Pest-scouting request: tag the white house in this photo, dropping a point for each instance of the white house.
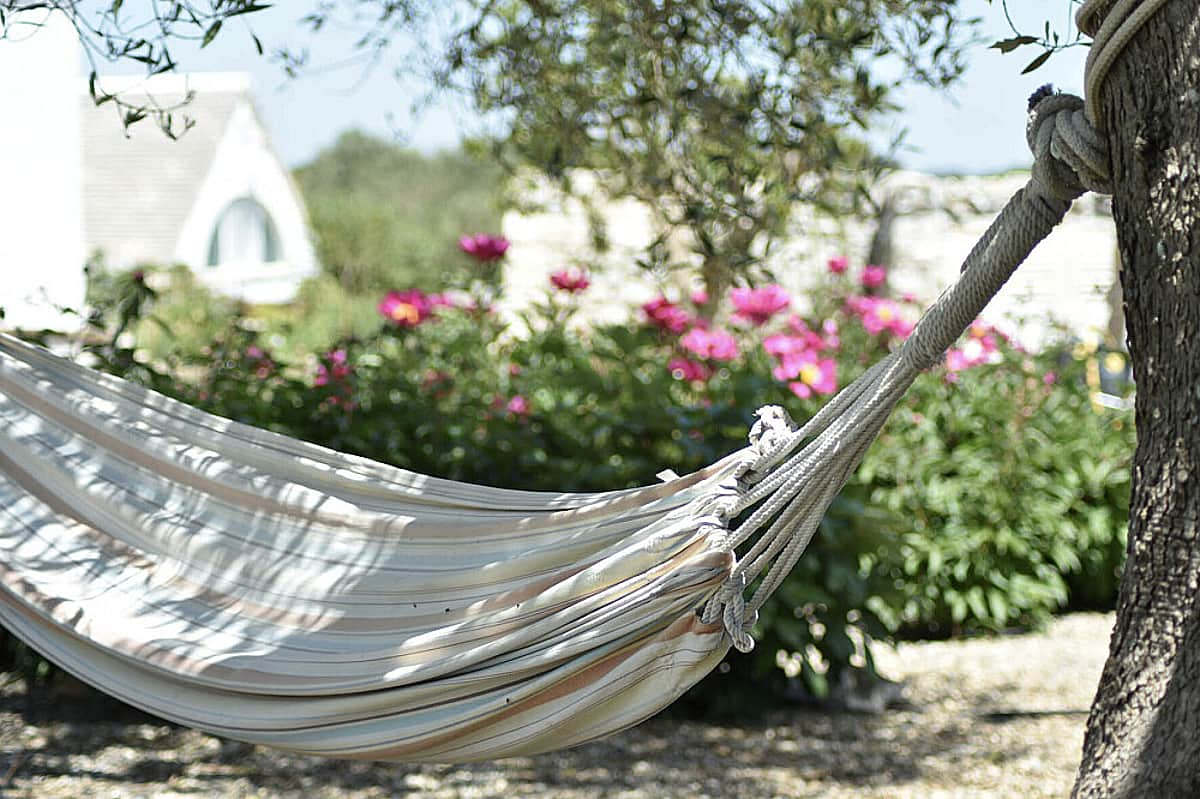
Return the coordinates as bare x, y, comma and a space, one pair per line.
77, 187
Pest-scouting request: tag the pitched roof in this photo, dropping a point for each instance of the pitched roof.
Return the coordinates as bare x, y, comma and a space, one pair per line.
138, 184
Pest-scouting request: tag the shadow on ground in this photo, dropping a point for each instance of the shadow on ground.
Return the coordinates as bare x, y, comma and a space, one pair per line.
106, 743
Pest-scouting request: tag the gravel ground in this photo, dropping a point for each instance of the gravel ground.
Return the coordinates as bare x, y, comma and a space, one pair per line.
999, 717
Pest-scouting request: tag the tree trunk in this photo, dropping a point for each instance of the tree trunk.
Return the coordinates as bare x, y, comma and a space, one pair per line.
1143, 734
718, 277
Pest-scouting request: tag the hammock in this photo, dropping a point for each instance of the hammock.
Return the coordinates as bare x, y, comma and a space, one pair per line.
276, 592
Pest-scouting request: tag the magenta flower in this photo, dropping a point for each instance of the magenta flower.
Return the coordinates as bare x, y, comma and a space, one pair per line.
407, 308
815, 376
517, 405
699, 297
759, 305
712, 345
484, 247
839, 264
666, 315
1049, 379
873, 276
685, 369
333, 368
571, 281
263, 364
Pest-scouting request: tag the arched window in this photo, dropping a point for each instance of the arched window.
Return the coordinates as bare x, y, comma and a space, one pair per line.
244, 233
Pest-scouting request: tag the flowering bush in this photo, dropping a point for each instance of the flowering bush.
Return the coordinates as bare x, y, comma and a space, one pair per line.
995, 495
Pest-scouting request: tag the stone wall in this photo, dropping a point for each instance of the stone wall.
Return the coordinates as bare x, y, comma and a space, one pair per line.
938, 220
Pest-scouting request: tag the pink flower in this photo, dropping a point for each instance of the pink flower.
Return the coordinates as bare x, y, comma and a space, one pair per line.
407, 308
879, 315
813, 340
815, 376
484, 247
685, 369
781, 344
833, 340
571, 281
839, 264
713, 345
517, 405
979, 348
666, 315
333, 368
1049, 379
759, 305
699, 297
873, 276
957, 360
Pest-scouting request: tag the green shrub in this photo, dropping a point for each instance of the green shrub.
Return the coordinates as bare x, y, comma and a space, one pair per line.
384, 216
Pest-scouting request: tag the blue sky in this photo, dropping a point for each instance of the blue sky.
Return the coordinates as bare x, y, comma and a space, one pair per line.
977, 128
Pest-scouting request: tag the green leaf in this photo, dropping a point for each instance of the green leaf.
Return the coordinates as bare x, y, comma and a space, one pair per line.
1008, 45
249, 8
998, 605
1037, 62
976, 600
211, 33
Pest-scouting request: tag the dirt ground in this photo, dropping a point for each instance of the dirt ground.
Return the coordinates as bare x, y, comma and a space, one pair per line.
999, 717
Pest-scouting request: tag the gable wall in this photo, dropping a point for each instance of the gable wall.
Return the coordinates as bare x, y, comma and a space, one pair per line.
245, 166
41, 241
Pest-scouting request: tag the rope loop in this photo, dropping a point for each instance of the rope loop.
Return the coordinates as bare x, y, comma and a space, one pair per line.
729, 605
1070, 155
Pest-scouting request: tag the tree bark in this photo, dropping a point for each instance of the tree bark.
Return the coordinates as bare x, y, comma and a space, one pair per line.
1143, 734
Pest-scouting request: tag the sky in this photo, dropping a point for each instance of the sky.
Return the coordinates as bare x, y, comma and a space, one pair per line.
977, 127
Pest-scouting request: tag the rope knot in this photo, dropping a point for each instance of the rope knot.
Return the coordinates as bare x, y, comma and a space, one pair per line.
1070, 155
771, 438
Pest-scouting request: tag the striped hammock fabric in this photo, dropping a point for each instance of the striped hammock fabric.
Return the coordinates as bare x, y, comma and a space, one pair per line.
276, 592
